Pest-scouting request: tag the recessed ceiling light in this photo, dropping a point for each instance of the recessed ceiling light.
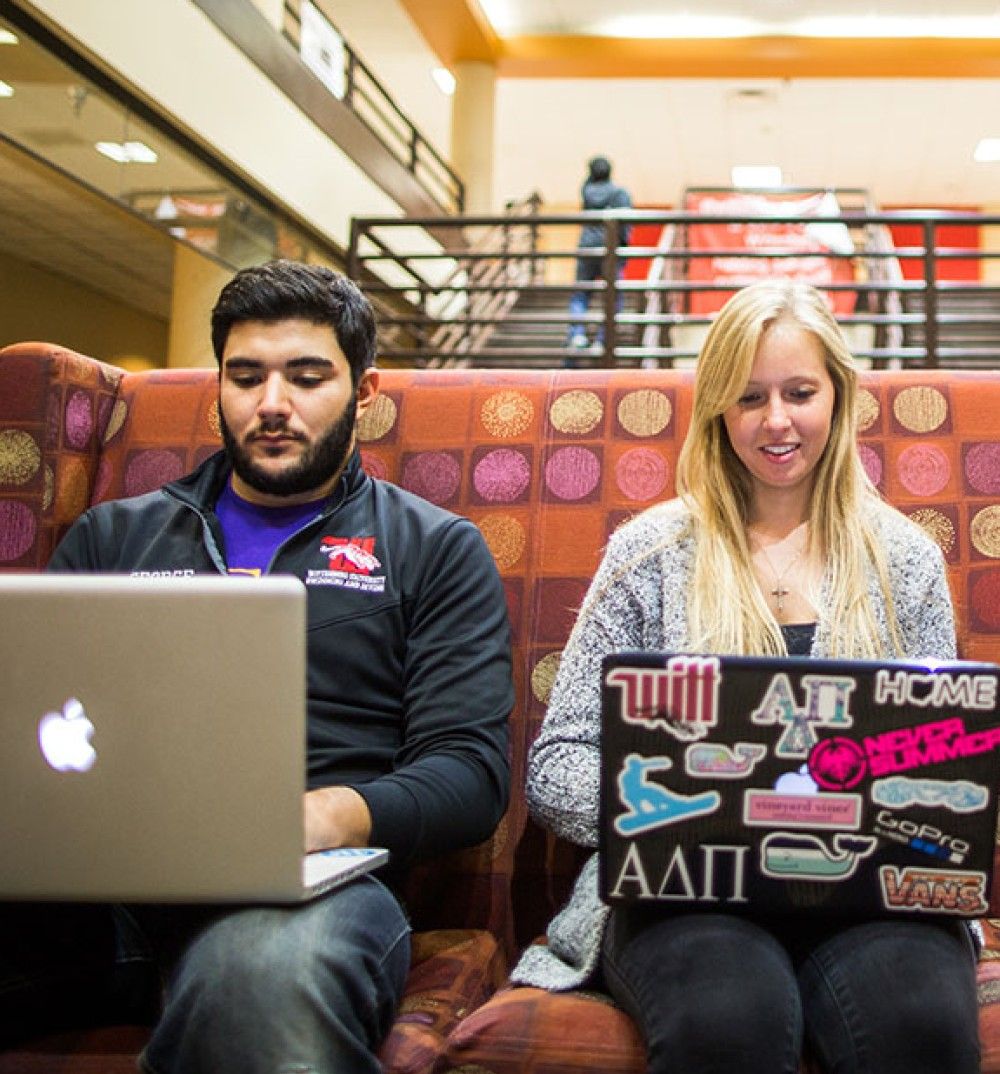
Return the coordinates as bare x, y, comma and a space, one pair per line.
7, 38
682, 25
756, 175
668, 26
445, 80
6, 90
127, 152
987, 151
499, 15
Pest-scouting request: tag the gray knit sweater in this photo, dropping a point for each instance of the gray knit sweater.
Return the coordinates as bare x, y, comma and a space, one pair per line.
638, 601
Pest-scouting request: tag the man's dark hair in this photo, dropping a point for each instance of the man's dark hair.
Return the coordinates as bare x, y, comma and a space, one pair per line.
600, 169
279, 290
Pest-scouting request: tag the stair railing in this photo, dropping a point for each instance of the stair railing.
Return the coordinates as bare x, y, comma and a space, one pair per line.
483, 291
660, 268
464, 293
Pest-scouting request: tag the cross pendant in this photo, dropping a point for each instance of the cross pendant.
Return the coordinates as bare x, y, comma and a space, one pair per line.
779, 594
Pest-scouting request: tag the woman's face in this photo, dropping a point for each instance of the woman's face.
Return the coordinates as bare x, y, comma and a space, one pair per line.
780, 425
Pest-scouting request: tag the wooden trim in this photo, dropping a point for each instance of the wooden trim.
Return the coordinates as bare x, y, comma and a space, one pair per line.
456, 30
553, 56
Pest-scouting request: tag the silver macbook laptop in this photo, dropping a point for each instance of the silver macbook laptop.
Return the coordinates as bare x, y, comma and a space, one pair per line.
153, 741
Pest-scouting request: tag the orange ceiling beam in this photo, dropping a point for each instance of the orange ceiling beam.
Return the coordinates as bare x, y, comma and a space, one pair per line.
553, 56
456, 30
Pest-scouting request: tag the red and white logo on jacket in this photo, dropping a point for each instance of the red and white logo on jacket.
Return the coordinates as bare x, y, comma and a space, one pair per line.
352, 565
356, 555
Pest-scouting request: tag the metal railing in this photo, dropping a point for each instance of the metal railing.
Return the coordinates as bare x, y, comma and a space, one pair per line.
505, 301
373, 105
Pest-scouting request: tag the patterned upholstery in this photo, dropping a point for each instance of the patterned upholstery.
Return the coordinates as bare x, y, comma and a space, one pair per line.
55, 407
547, 464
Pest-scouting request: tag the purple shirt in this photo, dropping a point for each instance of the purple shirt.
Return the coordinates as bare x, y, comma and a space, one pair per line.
252, 533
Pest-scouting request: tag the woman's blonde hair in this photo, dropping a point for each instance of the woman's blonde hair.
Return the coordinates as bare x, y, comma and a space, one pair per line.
727, 612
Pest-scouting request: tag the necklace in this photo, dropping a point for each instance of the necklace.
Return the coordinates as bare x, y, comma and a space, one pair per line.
780, 591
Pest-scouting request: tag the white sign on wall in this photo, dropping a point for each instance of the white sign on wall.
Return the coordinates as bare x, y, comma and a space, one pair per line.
322, 49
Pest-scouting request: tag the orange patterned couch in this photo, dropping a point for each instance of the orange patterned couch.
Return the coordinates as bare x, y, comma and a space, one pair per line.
547, 464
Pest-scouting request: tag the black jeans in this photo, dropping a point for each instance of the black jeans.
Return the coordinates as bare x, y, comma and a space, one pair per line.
66, 966
718, 994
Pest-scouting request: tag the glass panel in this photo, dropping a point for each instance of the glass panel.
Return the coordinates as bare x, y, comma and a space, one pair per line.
51, 110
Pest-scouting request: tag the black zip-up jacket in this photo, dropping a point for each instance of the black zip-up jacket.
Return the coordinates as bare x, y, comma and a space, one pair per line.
408, 642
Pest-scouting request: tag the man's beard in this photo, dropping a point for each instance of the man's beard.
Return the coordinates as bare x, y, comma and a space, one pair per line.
316, 466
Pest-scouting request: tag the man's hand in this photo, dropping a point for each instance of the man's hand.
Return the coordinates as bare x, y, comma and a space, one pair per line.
335, 817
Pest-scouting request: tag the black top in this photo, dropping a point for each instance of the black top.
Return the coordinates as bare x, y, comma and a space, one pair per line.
798, 638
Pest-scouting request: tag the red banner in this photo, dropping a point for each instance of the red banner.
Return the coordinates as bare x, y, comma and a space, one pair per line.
807, 242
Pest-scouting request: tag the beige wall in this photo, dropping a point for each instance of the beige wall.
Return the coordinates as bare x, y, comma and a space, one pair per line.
41, 305
385, 38
272, 10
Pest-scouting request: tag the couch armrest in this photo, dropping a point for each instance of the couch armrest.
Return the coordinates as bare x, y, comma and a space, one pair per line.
55, 408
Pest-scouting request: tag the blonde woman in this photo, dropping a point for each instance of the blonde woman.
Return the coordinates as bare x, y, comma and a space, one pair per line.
776, 543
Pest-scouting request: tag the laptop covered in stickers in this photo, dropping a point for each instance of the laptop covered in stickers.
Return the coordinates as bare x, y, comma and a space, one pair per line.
779, 785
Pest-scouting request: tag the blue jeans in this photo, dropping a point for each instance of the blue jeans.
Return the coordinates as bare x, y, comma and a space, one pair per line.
305, 989
718, 994
589, 269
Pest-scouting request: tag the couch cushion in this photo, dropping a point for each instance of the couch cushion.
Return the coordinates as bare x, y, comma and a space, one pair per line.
107, 1050
165, 422
989, 997
452, 973
523, 1029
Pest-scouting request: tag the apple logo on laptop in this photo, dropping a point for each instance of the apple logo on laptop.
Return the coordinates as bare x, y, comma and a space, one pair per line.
64, 738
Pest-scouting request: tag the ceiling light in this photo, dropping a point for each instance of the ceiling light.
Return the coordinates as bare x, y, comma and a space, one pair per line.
499, 15
127, 152
727, 26
445, 80
667, 26
987, 151
6, 90
756, 175
7, 38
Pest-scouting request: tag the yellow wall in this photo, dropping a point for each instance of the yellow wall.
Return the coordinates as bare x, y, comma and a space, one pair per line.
41, 305
197, 283
472, 133
989, 239
559, 237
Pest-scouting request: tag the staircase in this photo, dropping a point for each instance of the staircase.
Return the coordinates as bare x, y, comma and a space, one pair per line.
968, 325
539, 321
503, 299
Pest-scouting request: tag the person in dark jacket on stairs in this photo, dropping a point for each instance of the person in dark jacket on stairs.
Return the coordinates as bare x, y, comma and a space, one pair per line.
597, 194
